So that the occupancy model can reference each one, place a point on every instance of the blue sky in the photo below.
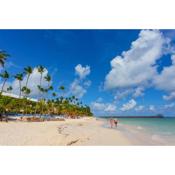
(116, 72)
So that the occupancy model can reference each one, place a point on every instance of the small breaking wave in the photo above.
(139, 128)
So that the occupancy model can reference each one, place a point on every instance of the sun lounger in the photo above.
(3, 118)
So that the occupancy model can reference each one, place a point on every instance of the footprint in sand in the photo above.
(61, 128)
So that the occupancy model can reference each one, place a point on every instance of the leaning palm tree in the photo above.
(19, 77)
(26, 91)
(3, 57)
(5, 75)
(28, 71)
(41, 70)
(52, 102)
(48, 79)
(41, 90)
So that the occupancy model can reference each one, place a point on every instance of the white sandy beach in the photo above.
(86, 131)
(82, 132)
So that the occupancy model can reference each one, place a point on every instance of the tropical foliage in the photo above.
(3, 57)
(5, 76)
(67, 107)
(50, 102)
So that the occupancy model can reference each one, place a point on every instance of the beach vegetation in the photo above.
(49, 102)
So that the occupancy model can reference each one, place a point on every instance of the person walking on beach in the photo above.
(113, 122)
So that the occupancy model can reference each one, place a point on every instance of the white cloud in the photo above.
(125, 92)
(166, 80)
(136, 66)
(171, 105)
(136, 69)
(129, 105)
(122, 93)
(87, 83)
(139, 108)
(171, 96)
(151, 108)
(80, 85)
(103, 107)
(77, 89)
(173, 59)
(110, 108)
(139, 91)
(98, 106)
(81, 71)
(6, 85)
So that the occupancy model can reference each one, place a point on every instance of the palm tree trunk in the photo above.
(3, 85)
(19, 89)
(41, 85)
(41, 94)
(27, 80)
(27, 83)
(41, 79)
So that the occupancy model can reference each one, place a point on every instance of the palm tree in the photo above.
(3, 57)
(19, 77)
(41, 70)
(48, 79)
(62, 88)
(9, 88)
(26, 91)
(28, 71)
(50, 88)
(5, 75)
(41, 90)
(54, 94)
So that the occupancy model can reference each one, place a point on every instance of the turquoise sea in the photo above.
(165, 126)
(148, 131)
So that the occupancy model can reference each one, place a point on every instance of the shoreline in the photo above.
(140, 136)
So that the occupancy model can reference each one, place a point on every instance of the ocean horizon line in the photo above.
(137, 116)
